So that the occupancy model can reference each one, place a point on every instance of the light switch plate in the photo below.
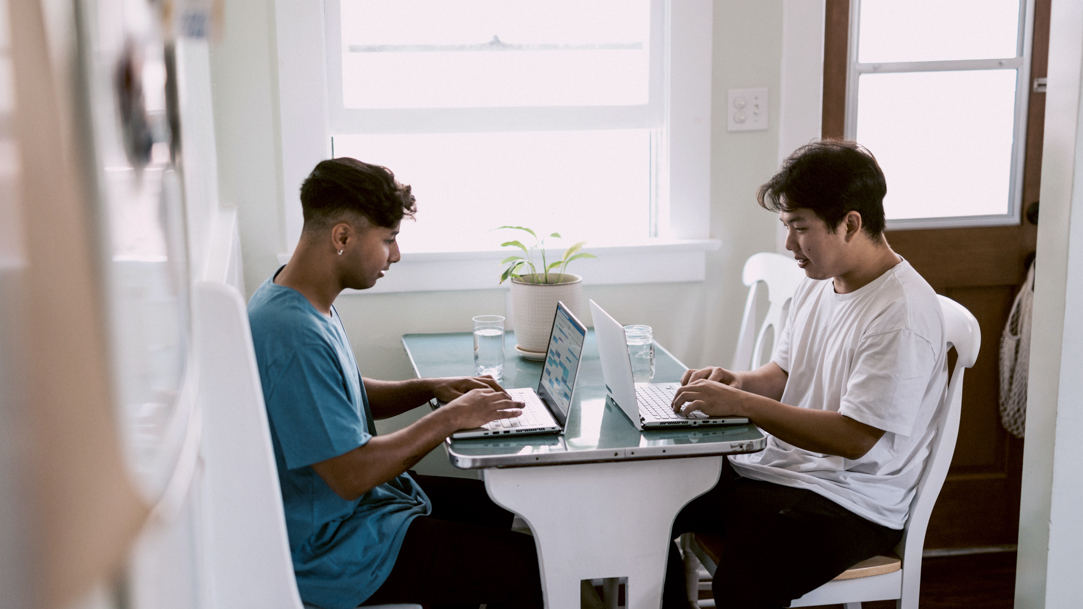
(747, 110)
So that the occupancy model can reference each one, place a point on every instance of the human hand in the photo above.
(447, 389)
(711, 397)
(482, 405)
(713, 373)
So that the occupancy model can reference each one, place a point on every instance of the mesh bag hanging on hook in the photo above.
(1015, 360)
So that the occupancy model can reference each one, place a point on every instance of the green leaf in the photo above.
(557, 235)
(575, 257)
(580, 255)
(511, 271)
(519, 268)
(573, 249)
(515, 244)
(532, 234)
(554, 265)
(510, 258)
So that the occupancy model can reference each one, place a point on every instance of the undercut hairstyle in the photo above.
(832, 178)
(337, 188)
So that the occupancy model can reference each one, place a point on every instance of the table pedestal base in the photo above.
(600, 520)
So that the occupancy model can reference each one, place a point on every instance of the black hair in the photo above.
(340, 186)
(832, 178)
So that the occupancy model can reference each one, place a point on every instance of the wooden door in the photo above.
(981, 268)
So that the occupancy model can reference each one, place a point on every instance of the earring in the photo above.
(340, 252)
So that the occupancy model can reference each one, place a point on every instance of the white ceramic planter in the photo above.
(533, 306)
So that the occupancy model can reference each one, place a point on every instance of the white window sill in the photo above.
(654, 262)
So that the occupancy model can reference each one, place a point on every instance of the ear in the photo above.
(341, 233)
(852, 224)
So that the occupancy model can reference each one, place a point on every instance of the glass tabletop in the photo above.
(597, 429)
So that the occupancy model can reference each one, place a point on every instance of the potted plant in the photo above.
(536, 289)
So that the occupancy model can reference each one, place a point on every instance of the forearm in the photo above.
(386, 456)
(818, 431)
(358, 471)
(389, 398)
(768, 381)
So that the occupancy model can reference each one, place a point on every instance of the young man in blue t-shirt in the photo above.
(362, 529)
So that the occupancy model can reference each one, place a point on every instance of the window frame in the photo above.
(1021, 63)
(307, 120)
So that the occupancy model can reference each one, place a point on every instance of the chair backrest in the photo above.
(781, 275)
(962, 332)
(246, 543)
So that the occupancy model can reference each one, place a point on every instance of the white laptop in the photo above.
(647, 405)
(545, 410)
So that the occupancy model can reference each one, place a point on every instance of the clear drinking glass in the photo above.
(489, 346)
(641, 349)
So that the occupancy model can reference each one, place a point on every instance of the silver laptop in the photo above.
(546, 409)
(647, 405)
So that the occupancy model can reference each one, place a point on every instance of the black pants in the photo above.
(464, 554)
(779, 542)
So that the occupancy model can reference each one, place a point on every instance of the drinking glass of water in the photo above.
(641, 349)
(489, 346)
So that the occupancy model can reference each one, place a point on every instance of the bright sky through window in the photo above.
(494, 53)
(938, 30)
(559, 133)
(944, 140)
(940, 99)
(588, 185)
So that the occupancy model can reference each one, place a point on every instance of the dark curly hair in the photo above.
(832, 178)
(340, 186)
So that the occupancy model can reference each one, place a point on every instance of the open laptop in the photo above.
(648, 405)
(546, 409)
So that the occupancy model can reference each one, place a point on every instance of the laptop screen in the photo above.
(562, 361)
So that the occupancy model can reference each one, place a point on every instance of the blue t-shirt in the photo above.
(316, 402)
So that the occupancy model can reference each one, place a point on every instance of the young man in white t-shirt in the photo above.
(848, 399)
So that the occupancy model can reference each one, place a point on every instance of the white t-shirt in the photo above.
(875, 355)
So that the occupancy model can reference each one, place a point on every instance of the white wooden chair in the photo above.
(781, 275)
(898, 576)
(246, 547)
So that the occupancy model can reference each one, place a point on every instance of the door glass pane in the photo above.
(599, 193)
(494, 53)
(943, 139)
(935, 30)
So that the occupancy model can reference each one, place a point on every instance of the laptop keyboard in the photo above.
(534, 414)
(657, 399)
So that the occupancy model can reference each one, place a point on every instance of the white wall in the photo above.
(695, 321)
(1051, 509)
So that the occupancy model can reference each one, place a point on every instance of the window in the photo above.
(542, 113)
(591, 118)
(937, 90)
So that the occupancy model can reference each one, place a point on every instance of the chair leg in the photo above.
(691, 570)
(852, 605)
